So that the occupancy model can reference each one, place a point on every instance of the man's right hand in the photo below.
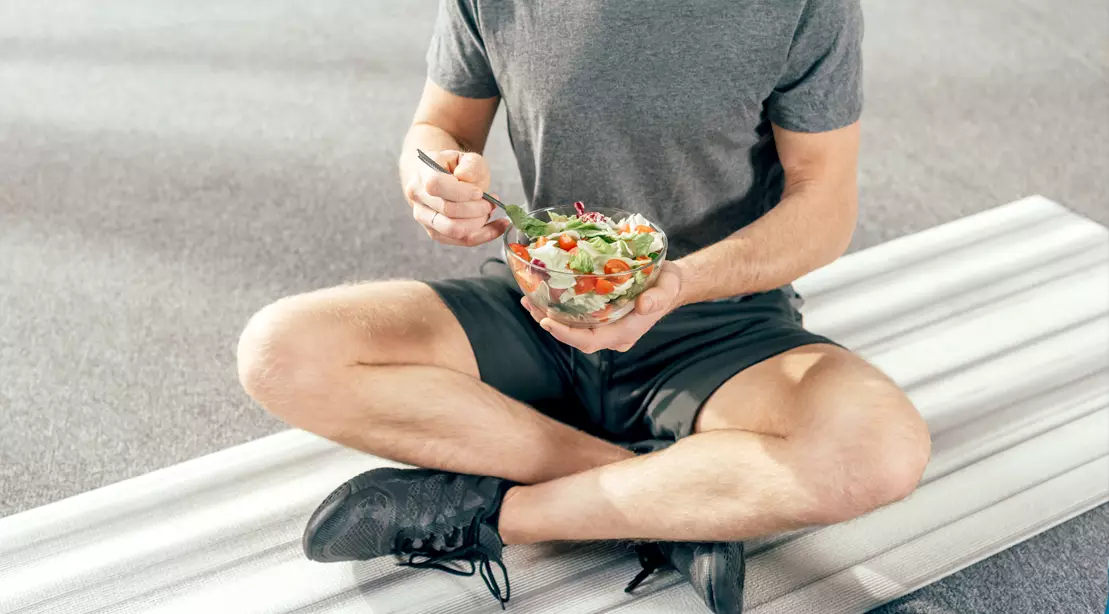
(450, 207)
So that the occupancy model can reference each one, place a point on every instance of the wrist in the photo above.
(687, 287)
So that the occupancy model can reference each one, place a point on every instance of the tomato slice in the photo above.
(567, 242)
(604, 286)
(617, 266)
(529, 282)
(643, 261)
(644, 229)
(585, 284)
(520, 250)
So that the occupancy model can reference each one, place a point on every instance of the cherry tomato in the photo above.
(644, 229)
(541, 241)
(567, 242)
(585, 284)
(604, 286)
(643, 261)
(617, 266)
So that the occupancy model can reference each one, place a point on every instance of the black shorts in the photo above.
(652, 391)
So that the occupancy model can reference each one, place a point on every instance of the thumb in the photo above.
(651, 301)
(472, 168)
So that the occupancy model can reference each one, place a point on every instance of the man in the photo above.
(732, 125)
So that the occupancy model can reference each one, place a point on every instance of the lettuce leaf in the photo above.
(580, 226)
(555, 217)
(531, 226)
(581, 262)
(641, 245)
(602, 246)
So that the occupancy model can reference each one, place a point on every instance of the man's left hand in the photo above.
(650, 307)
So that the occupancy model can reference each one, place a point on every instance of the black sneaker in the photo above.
(715, 569)
(430, 517)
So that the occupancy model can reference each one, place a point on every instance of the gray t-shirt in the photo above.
(663, 108)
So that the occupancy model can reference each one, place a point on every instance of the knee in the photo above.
(877, 456)
(896, 462)
(275, 353)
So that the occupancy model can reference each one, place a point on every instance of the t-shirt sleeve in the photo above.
(456, 58)
(821, 86)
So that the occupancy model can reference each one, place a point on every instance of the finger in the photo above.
(472, 168)
(469, 209)
(536, 313)
(488, 232)
(586, 340)
(659, 296)
(477, 209)
(434, 234)
(456, 229)
(447, 158)
(448, 187)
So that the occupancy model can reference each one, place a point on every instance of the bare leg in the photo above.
(386, 368)
(813, 436)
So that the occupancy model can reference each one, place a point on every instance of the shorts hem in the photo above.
(698, 381)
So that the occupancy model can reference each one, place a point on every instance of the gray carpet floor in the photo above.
(167, 168)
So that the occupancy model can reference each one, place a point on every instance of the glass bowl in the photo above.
(547, 290)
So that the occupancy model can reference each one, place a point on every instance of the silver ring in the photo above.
(433, 219)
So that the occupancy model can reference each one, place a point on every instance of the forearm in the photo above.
(428, 138)
(810, 227)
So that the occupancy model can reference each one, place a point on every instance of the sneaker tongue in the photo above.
(493, 515)
(490, 541)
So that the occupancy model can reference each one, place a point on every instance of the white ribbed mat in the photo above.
(997, 325)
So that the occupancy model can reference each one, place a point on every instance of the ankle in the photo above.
(509, 522)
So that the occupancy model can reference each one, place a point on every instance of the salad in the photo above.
(587, 267)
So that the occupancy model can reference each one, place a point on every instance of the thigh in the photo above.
(784, 395)
(510, 351)
(683, 364)
(474, 326)
(377, 323)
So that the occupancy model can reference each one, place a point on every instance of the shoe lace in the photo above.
(651, 559)
(429, 555)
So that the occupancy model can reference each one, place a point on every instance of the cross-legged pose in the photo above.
(731, 124)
